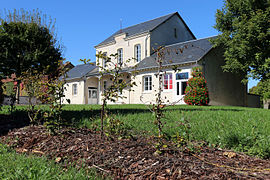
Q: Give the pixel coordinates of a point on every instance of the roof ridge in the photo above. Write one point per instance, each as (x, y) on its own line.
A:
(179, 43)
(86, 64)
(169, 15)
(127, 29)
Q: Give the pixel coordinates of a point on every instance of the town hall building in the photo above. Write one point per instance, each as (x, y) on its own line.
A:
(84, 85)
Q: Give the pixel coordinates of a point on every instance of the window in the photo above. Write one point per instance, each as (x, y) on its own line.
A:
(180, 76)
(183, 87)
(167, 81)
(120, 56)
(147, 83)
(137, 52)
(104, 58)
(104, 86)
(181, 83)
(175, 32)
(94, 94)
(74, 89)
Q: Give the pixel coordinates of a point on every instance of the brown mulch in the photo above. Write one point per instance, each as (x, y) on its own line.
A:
(134, 158)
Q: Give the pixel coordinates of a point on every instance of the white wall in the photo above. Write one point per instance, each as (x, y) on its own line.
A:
(169, 96)
(74, 99)
(125, 93)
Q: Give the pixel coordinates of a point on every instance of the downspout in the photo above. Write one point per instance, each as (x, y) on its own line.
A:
(99, 89)
(146, 44)
(84, 87)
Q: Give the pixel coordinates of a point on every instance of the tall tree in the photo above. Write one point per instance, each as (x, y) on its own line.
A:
(28, 42)
(245, 36)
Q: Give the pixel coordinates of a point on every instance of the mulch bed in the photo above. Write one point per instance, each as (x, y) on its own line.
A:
(134, 158)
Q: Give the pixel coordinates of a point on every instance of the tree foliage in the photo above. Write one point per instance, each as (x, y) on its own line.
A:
(196, 91)
(245, 36)
(26, 42)
(262, 89)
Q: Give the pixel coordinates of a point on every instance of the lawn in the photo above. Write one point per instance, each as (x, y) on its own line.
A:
(20, 166)
(238, 128)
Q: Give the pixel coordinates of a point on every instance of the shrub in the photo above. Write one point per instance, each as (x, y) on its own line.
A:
(1, 92)
(196, 91)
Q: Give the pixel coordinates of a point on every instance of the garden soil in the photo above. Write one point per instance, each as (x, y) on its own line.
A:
(134, 158)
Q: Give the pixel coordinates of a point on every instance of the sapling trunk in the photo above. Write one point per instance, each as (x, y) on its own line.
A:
(159, 101)
(102, 114)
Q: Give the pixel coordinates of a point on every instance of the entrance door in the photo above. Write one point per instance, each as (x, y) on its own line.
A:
(180, 86)
(92, 95)
(180, 90)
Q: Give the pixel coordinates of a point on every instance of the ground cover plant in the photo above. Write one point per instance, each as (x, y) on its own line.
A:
(238, 128)
(21, 166)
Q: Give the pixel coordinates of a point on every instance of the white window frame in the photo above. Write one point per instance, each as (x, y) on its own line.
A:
(104, 64)
(149, 83)
(138, 52)
(170, 77)
(181, 81)
(120, 56)
(75, 89)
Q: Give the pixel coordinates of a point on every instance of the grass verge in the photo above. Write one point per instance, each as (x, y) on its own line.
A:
(238, 128)
(20, 166)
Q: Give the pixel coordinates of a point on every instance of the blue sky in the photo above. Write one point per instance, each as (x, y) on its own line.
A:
(82, 24)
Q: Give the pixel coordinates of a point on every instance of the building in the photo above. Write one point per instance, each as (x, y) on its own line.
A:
(84, 85)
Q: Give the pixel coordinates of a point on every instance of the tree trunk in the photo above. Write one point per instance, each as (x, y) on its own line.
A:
(18, 92)
(102, 113)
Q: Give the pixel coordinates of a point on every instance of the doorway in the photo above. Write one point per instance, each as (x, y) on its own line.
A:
(92, 95)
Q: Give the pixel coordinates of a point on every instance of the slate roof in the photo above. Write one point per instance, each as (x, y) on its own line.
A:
(179, 53)
(80, 71)
(142, 28)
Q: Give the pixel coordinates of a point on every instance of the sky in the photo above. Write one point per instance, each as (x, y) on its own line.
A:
(82, 24)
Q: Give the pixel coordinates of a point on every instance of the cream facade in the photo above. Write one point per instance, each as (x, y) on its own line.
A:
(74, 92)
(128, 47)
(135, 47)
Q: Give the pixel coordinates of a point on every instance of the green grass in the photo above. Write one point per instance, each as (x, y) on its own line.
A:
(20, 166)
(238, 128)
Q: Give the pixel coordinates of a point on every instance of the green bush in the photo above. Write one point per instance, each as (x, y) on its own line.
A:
(196, 91)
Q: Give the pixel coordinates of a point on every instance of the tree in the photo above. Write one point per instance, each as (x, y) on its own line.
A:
(28, 42)
(196, 91)
(262, 89)
(114, 91)
(245, 36)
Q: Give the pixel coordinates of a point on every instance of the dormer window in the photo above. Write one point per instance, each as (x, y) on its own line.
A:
(120, 56)
(137, 52)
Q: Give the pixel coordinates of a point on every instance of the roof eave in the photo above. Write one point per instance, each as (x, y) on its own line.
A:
(137, 35)
(105, 44)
